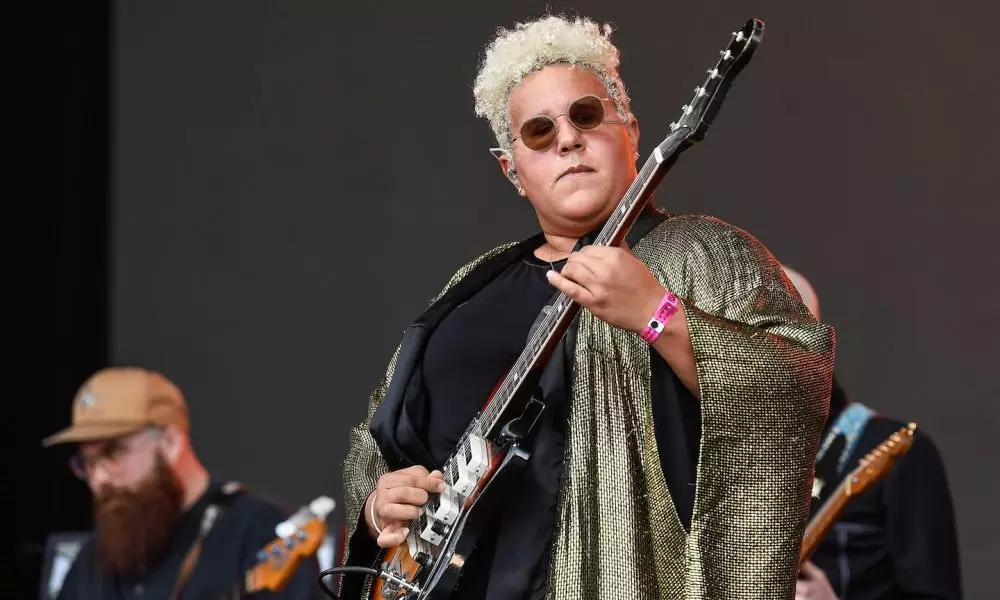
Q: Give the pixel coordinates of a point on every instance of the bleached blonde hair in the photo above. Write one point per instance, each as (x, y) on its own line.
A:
(514, 54)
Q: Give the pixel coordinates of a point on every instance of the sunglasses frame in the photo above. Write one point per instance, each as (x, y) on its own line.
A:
(123, 448)
(555, 125)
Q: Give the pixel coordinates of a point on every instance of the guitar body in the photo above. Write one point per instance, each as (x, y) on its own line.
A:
(505, 471)
(401, 562)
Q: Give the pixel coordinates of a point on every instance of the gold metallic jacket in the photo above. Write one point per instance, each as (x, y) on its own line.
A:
(765, 369)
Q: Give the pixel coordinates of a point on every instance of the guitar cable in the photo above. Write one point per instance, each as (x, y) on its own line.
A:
(324, 574)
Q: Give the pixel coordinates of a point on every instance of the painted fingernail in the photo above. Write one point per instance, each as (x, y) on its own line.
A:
(406, 532)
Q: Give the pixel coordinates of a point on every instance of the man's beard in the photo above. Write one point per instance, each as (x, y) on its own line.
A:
(135, 527)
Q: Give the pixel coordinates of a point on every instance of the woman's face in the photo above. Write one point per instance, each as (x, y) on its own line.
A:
(575, 183)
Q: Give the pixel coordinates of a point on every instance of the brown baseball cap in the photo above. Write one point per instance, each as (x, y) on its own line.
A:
(120, 400)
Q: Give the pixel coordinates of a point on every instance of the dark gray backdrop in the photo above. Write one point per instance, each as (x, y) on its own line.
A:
(294, 180)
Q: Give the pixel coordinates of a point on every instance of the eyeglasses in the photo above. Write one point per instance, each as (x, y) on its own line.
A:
(585, 113)
(113, 456)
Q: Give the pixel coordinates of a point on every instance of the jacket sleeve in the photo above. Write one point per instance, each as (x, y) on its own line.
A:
(363, 466)
(364, 463)
(765, 369)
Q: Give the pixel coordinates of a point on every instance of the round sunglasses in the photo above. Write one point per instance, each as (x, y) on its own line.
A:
(585, 113)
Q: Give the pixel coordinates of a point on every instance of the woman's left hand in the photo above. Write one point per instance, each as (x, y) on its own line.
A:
(612, 284)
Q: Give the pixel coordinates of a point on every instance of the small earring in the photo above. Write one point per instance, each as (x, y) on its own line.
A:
(520, 190)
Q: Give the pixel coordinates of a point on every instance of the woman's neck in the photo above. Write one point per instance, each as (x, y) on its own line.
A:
(555, 247)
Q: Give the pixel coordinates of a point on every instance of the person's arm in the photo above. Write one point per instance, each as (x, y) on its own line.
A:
(364, 465)
(762, 367)
(920, 523)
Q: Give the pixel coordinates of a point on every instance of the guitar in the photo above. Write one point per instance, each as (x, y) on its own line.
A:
(299, 537)
(871, 468)
(489, 456)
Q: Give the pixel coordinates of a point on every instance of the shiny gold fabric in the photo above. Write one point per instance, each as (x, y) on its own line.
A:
(764, 370)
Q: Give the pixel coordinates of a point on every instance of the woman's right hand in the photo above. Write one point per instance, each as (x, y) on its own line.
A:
(398, 497)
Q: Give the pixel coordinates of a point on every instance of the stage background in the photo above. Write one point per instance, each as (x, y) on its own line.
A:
(292, 182)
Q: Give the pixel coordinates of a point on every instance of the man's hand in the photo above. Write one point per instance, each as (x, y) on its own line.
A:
(813, 584)
(398, 497)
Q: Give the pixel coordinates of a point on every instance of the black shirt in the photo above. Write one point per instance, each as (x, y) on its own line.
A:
(896, 539)
(465, 358)
(228, 552)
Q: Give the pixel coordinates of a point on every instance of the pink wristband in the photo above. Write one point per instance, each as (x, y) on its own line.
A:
(668, 308)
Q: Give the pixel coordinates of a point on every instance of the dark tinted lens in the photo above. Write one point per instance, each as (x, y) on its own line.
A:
(587, 112)
(537, 132)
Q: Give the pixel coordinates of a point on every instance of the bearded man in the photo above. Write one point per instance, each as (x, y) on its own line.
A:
(163, 527)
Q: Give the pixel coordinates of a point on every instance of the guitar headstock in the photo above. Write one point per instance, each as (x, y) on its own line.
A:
(298, 538)
(697, 115)
(877, 463)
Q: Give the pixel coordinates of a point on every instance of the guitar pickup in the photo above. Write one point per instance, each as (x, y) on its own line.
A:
(418, 548)
(474, 456)
(445, 506)
(431, 530)
(459, 478)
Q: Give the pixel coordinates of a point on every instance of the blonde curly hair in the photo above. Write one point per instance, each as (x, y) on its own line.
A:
(514, 54)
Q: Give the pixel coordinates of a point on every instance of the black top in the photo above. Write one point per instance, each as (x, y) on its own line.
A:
(228, 552)
(896, 539)
(411, 427)
(465, 358)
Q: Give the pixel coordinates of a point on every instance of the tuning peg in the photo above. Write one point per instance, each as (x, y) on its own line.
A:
(738, 35)
(726, 55)
(687, 109)
(713, 73)
(674, 126)
(284, 529)
(700, 91)
(322, 506)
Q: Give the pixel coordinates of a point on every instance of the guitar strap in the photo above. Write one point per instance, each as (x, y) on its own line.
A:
(213, 512)
(850, 423)
(847, 431)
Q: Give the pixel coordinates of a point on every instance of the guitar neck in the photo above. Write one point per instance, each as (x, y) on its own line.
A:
(649, 176)
(824, 519)
(562, 310)
(873, 467)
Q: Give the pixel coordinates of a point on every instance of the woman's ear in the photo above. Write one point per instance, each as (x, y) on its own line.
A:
(506, 162)
(633, 133)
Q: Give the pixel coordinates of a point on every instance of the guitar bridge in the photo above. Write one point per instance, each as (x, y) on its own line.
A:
(395, 582)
